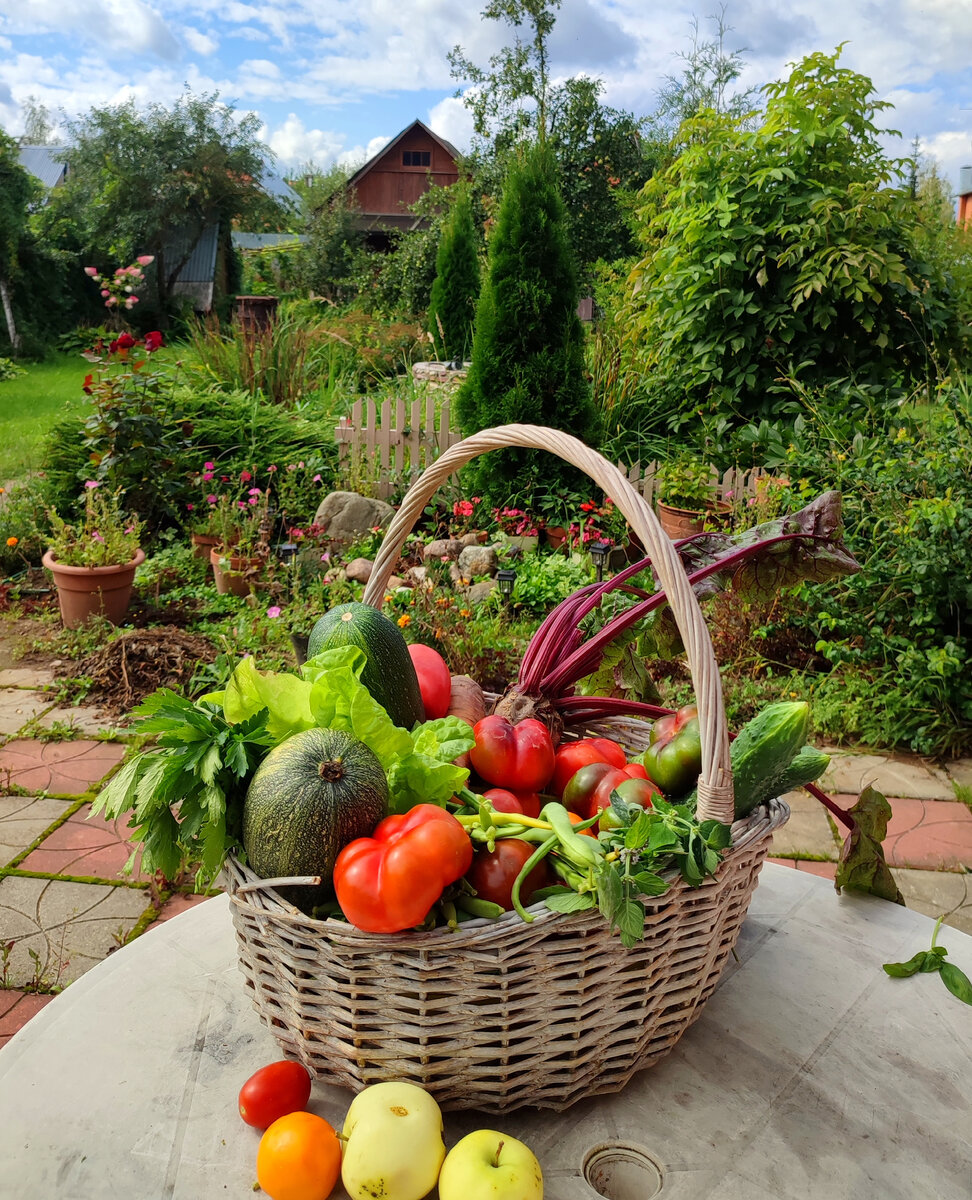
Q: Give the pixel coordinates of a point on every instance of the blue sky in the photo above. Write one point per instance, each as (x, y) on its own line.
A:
(334, 79)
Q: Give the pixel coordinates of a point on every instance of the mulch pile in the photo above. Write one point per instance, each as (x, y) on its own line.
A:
(131, 667)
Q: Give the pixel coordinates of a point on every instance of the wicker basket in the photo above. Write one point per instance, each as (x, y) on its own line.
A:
(497, 1014)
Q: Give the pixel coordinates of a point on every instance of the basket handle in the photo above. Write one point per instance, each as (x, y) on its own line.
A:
(715, 781)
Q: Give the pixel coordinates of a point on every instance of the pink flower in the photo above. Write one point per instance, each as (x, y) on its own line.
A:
(143, 260)
(207, 475)
(254, 491)
(105, 292)
(96, 537)
(210, 499)
(208, 466)
(325, 557)
(271, 468)
(317, 479)
(129, 528)
(253, 500)
(273, 611)
(190, 507)
(92, 271)
(92, 483)
(241, 504)
(120, 271)
(301, 465)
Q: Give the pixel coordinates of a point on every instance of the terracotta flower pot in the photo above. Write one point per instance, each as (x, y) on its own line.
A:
(232, 572)
(202, 544)
(555, 536)
(85, 592)
(679, 522)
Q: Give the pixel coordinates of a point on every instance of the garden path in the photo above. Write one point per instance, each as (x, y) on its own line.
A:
(65, 906)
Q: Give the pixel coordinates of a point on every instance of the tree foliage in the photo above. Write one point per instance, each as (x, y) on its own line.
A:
(528, 352)
(17, 190)
(781, 253)
(151, 181)
(452, 306)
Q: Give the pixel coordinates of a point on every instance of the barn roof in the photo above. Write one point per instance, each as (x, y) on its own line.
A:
(447, 146)
(41, 162)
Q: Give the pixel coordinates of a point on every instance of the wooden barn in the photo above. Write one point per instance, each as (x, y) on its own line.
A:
(396, 177)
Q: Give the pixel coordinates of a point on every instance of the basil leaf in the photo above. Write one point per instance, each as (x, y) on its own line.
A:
(637, 835)
(715, 834)
(631, 922)
(957, 982)
(933, 959)
(902, 970)
(661, 838)
(569, 902)
(650, 884)
(610, 893)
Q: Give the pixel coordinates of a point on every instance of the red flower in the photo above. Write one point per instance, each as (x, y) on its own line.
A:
(86, 386)
(125, 341)
(588, 507)
(113, 347)
(153, 341)
(245, 476)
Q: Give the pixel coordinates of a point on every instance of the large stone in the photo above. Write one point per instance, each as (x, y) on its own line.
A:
(478, 560)
(359, 570)
(416, 577)
(480, 591)
(449, 548)
(346, 516)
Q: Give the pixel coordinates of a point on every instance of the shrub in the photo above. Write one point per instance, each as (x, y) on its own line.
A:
(528, 349)
(455, 291)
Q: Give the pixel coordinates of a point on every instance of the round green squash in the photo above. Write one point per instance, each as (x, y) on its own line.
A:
(389, 674)
(311, 795)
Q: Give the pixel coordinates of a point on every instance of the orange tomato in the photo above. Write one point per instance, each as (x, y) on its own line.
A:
(299, 1158)
(576, 818)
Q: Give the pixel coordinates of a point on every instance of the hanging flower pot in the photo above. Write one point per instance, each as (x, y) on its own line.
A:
(233, 572)
(86, 592)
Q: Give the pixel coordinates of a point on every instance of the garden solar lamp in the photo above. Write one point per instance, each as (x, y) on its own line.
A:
(286, 552)
(599, 552)
(506, 578)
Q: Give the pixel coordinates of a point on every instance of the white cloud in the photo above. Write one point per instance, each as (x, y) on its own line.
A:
(451, 120)
(357, 156)
(260, 66)
(200, 43)
(295, 145)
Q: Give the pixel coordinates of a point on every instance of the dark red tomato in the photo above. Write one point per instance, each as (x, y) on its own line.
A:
(571, 756)
(519, 757)
(662, 729)
(435, 680)
(527, 803)
(494, 872)
(634, 772)
(580, 787)
(273, 1092)
(688, 712)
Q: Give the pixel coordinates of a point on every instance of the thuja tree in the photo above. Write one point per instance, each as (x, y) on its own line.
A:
(528, 354)
(452, 306)
(781, 254)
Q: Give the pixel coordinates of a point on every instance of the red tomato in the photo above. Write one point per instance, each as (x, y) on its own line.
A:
(571, 756)
(494, 872)
(519, 757)
(274, 1091)
(527, 803)
(602, 793)
(580, 787)
(435, 680)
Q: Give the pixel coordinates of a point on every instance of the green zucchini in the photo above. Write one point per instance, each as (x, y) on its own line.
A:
(389, 674)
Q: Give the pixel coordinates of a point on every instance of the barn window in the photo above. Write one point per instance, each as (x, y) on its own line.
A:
(416, 158)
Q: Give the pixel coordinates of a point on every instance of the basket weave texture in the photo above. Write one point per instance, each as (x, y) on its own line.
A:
(500, 1014)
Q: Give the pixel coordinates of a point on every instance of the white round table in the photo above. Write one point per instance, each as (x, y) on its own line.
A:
(810, 1074)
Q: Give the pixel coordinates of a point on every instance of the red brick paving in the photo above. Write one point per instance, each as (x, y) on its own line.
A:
(63, 768)
(94, 848)
(16, 1009)
(826, 870)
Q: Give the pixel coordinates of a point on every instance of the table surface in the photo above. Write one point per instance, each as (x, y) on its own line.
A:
(809, 1074)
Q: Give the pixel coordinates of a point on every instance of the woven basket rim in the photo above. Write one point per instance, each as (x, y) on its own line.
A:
(271, 904)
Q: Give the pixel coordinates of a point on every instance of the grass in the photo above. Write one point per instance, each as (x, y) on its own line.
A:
(29, 406)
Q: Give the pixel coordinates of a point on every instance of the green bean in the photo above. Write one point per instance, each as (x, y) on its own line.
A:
(541, 851)
(583, 851)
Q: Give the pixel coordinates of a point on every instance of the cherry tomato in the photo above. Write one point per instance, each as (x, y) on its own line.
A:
(435, 680)
(527, 803)
(571, 756)
(634, 772)
(519, 757)
(494, 872)
(299, 1158)
(275, 1090)
(580, 787)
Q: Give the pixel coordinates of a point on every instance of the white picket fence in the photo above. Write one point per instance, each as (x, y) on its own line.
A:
(387, 447)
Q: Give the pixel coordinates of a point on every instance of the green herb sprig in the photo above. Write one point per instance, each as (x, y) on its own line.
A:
(932, 960)
(200, 768)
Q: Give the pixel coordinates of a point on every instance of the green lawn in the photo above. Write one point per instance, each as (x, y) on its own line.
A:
(30, 404)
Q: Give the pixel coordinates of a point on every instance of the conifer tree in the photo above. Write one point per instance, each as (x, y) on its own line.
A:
(452, 307)
(528, 349)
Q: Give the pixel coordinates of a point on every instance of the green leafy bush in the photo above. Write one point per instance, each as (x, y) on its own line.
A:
(456, 289)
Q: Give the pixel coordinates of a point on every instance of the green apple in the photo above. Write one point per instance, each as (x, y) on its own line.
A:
(487, 1165)
(393, 1143)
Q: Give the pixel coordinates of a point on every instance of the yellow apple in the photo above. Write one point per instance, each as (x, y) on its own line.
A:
(487, 1165)
(393, 1143)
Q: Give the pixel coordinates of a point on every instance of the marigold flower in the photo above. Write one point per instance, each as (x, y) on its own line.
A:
(12, 541)
(465, 612)
(404, 620)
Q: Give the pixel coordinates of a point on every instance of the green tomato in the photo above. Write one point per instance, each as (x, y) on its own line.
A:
(675, 764)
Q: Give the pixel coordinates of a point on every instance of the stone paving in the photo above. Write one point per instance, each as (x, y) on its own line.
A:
(65, 904)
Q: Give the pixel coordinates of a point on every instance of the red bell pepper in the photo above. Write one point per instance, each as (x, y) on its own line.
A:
(518, 757)
(571, 756)
(389, 881)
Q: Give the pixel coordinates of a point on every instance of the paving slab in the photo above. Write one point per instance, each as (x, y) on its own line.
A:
(23, 819)
(80, 718)
(894, 775)
(960, 772)
(179, 903)
(936, 892)
(931, 834)
(16, 1009)
(70, 926)
(67, 768)
(25, 677)
(87, 846)
(17, 707)
(808, 831)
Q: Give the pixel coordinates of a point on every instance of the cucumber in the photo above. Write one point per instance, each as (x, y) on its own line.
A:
(808, 765)
(764, 750)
